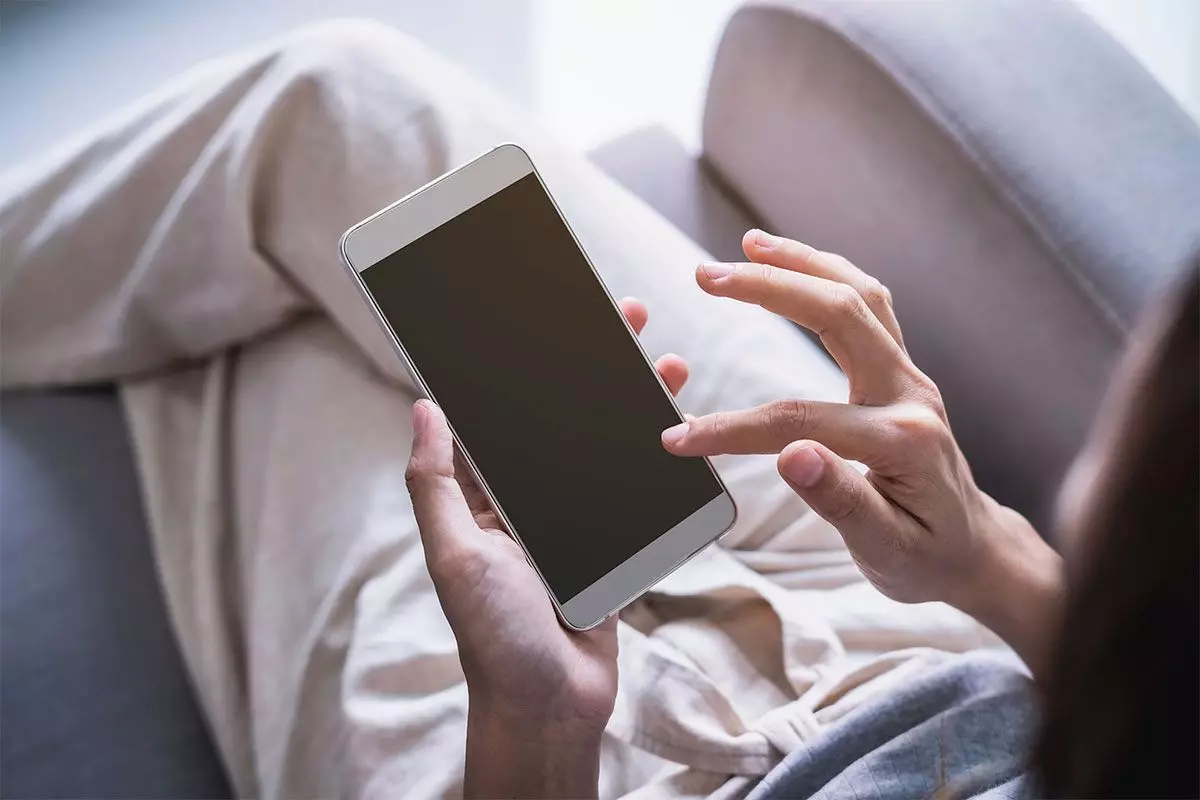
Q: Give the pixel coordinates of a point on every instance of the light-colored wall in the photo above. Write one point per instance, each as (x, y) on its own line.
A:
(588, 69)
(608, 65)
(1164, 35)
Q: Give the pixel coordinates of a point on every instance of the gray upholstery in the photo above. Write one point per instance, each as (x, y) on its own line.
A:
(1009, 171)
(94, 698)
(654, 165)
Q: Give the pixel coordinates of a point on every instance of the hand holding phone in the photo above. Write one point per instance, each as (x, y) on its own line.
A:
(512, 647)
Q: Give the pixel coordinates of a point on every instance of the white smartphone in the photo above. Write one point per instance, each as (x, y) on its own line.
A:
(501, 319)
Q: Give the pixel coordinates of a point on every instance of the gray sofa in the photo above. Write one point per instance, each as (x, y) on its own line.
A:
(1015, 178)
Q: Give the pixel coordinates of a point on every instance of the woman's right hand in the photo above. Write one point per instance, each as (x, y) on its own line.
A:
(915, 522)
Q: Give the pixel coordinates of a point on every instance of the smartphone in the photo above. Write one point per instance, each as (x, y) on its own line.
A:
(501, 319)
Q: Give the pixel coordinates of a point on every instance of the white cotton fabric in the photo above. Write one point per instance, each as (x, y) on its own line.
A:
(187, 249)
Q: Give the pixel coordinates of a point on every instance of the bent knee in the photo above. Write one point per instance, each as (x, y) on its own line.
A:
(339, 58)
(344, 38)
(345, 49)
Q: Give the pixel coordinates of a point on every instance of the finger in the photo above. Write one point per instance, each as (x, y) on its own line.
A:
(477, 501)
(635, 312)
(839, 493)
(443, 516)
(674, 372)
(763, 248)
(877, 367)
(672, 368)
(853, 431)
(608, 626)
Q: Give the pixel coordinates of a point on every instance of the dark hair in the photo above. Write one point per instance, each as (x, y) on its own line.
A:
(1122, 698)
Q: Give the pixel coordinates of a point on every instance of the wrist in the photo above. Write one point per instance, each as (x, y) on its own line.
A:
(585, 698)
(546, 716)
(513, 751)
(1016, 588)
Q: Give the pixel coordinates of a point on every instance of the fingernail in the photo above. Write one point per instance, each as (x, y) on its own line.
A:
(714, 271)
(673, 436)
(803, 467)
(765, 240)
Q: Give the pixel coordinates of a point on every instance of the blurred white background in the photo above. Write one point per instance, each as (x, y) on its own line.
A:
(589, 69)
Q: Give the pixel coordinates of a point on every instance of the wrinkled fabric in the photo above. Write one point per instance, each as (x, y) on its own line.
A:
(187, 249)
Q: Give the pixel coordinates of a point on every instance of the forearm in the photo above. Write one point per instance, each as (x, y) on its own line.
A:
(1018, 590)
(511, 755)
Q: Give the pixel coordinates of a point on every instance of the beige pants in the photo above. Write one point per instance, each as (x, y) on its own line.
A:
(187, 249)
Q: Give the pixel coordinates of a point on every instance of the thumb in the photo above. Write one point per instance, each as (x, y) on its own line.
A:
(834, 489)
(443, 516)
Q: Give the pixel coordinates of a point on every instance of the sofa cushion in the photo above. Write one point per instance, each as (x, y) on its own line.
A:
(94, 698)
(654, 165)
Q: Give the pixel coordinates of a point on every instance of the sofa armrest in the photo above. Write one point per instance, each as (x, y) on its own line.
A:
(1017, 180)
(654, 165)
(95, 700)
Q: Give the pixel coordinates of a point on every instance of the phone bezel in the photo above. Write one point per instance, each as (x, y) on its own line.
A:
(439, 201)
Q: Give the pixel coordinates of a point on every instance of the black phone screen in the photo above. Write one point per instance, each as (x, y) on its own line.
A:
(519, 343)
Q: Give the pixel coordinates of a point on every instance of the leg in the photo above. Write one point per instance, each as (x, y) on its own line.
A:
(210, 213)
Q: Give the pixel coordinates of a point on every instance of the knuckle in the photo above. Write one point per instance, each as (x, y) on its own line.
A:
(804, 254)
(916, 428)
(716, 427)
(413, 471)
(785, 419)
(874, 293)
(845, 501)
(923, 382)
(839, 262)
(928, 393)
(423, 473)
(847, 304)
(771, 278)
